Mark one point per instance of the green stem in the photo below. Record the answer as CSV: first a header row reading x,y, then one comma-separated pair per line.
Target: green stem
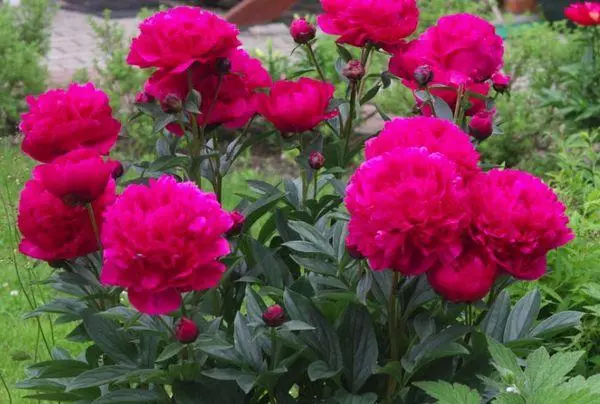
x,y
167,326
393,329
216,160
92,216
315,62
430,101
315,184
365,60
349,124
6,387
458,107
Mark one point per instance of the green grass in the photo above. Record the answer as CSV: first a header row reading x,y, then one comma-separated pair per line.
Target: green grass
x,y
22,336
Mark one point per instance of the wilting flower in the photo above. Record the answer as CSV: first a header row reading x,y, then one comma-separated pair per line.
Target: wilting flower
x,y
465,279
302,31
407,208
236,100
60,121
436,135
481,125
186,331
519,219
78,177
52,230
274,316
176,38
358,22
297,106
163,239
586,13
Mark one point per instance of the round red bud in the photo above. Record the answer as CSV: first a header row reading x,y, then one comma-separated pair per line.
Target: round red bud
x,y
186,331
316,160
274,316
302,31
423,75
354,70
172,104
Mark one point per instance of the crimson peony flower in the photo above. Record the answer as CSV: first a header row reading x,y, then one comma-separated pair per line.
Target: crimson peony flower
x,y
274,316
186,331
78,177
519,219
59,121
237,99
54,231
302,31
482,125
500,82
163,239
462,50
586,13
466,279
437,135
380,22
407,209
178,37
297,106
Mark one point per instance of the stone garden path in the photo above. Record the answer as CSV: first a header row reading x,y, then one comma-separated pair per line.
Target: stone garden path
x,y
73,44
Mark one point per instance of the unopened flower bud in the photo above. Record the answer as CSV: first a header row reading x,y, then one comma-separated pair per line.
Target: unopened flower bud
x,y
500,82
172,104
274,316
482,125
186,331
316,160
354,70
423,75
302,31
118,170
143,98
238,223
223,65
353,251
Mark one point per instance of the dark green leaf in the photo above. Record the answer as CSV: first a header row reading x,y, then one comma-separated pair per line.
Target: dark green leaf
x,y
98,376
316,265
503,357
522,316
168,162
312,235
556,324
343,397
40,385
418,353
55,369
359,346
295,325
20,356
255,306
245,344
257,209
304,247
370,94
364,286
170,351
105,333
274,269
127,396
60,306
244,379
320,370
343,52
162,121
386,79
494,322
68,397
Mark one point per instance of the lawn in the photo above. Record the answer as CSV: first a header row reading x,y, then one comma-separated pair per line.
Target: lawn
x,y
18,337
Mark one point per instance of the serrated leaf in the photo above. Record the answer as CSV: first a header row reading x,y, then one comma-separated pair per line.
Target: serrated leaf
x,y
504,357
447,393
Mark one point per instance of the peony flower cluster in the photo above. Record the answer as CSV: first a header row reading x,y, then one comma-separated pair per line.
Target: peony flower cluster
x,y
420,204
462,50
176,43
164,239
586,14
377,22
69,131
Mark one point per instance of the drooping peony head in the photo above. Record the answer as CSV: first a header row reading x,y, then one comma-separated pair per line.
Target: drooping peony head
x,y
380,22
519,219
163,239
437,135
78,177
585,13
52,230
237,98
297,106
465,279
178,37
60,120
407,208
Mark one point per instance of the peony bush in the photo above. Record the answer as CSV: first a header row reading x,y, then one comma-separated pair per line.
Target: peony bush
x,y
347,284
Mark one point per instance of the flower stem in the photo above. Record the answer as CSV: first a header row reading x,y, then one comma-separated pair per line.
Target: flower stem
x,y
365,59
92,216
167,326
315,184
393,329
315,62
458,107
6,387
349,124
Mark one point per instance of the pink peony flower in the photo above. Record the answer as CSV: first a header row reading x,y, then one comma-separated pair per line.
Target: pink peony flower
x,y
500,82
297,106
358,22
302,31
481,125
466,279
237,99
437,135
519,219
163,239
52,230
178,37
59,121
78,177
586,13
407,208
